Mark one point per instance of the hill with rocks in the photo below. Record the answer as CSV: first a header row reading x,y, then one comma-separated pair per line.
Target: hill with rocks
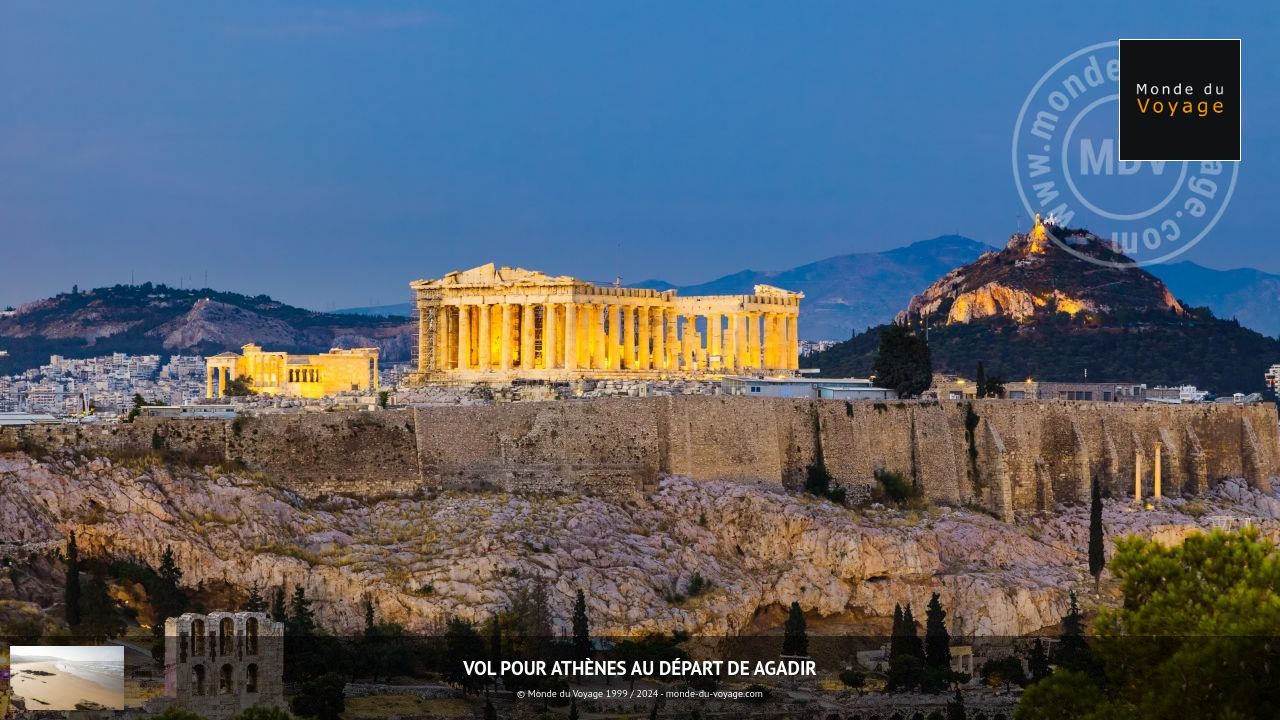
x,y
156,319
1037,309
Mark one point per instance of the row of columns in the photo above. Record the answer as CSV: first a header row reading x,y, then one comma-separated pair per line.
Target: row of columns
x,y
603,336
219,374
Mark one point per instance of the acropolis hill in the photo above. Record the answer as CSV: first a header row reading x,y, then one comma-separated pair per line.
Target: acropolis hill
x,y
1010,457
497,324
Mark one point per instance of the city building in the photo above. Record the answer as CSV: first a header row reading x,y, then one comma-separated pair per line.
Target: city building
x,y
282,373
801,387
207,412
1273,378
952,387
1177,395
492,324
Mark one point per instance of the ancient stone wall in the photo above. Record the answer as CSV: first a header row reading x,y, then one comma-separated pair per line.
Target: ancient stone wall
x,y
1005,455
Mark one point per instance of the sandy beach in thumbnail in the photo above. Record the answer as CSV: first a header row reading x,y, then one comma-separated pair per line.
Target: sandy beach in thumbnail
x,y
50,685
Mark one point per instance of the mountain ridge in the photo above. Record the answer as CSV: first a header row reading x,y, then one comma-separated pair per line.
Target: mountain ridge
x,y
157,319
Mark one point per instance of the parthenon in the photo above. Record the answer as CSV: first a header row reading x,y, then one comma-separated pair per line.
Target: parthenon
x,y
497,324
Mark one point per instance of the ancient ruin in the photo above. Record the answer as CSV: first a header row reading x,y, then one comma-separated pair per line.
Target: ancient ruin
x,y
281,373
492,324
219,664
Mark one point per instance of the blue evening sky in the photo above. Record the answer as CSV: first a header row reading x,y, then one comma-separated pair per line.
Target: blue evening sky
x,y
328,153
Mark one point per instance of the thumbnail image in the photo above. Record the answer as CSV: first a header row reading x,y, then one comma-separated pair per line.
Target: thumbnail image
x,y
69,678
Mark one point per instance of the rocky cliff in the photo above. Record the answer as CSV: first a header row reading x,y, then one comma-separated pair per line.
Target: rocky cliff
x,y
432,555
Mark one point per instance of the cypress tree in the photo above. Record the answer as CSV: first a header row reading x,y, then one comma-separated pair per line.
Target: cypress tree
x,y
911,634
937,645
302,621
981,381
795,639
895,639
1097,554
495,646
255,602
368,616
489,712
581,628
278,612
71,596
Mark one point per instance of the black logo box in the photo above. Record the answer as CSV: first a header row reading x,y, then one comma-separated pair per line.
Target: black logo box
x,y
1183,64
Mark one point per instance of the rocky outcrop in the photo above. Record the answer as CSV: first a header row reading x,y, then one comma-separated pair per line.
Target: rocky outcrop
x,y
1035,275
428,557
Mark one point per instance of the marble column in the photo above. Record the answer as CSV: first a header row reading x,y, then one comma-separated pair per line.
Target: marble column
x,y
614,359
769,340
527,327
570,336
485,344
628,337
753,340
599,341
658,329
793,341
444,338
730,345
673,340
464,337
642,343
689,343
424,320
715,344
505,339
550,327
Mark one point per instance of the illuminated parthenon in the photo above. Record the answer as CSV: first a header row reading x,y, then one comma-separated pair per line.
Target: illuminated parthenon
x,y
501,324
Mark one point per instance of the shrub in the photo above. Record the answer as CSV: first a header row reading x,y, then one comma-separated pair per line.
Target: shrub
x,y
853,678
895,486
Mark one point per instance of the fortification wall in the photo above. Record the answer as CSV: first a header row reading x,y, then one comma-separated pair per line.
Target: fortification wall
x,y
1009,456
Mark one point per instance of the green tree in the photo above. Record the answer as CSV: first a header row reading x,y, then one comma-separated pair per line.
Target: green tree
x,y
1193,638
937,646
463,644
173,712
99,619
1097,551
168,599
1004,671
321,698
581,628
255,602
490,713
906,656
71,594
980,381
903,363
795,638
278,611
1073,652
1037,662
301,621
240,386
955,708
258,712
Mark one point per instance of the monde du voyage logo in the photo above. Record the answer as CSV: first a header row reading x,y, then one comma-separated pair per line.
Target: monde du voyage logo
x,y
1134,140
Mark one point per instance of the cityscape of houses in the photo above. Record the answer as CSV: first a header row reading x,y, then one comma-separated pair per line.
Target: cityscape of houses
x,y
106,386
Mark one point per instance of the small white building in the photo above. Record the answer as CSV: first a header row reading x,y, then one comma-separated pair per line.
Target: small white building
x,y
206,412
1273,378
21,418
792,387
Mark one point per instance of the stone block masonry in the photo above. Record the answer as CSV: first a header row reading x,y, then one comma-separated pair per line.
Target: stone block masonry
x,y
1010,457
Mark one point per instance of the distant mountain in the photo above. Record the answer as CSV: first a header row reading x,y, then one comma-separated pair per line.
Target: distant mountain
x,y
856,291
155,319
1248,295
1034,310
396,310
849,292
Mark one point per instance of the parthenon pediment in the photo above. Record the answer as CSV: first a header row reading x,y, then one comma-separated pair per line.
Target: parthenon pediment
x,y
771,291
490,275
